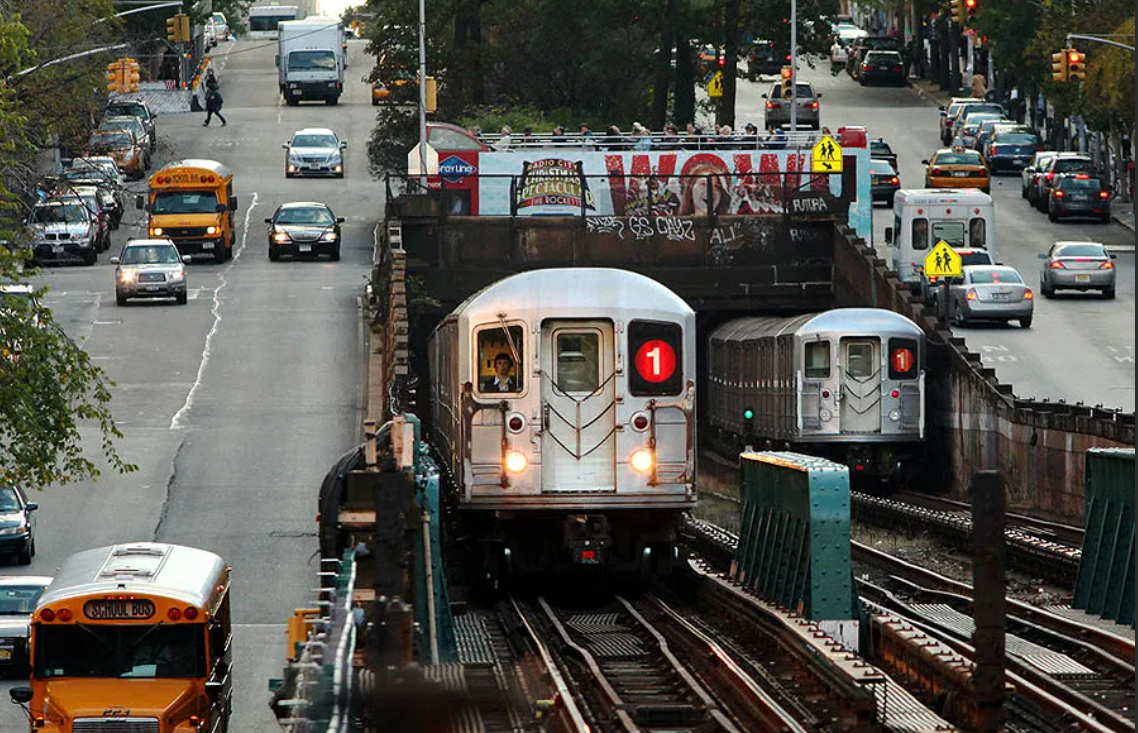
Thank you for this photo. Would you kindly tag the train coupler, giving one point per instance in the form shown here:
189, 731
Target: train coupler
587, 537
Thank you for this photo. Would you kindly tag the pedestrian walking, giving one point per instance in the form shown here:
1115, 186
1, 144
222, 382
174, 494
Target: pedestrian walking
210, 80
213, 102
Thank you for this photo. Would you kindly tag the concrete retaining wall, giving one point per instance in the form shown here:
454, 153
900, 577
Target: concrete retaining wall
976, 422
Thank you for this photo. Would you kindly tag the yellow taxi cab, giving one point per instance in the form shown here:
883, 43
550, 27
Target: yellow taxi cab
957, 167
379, 92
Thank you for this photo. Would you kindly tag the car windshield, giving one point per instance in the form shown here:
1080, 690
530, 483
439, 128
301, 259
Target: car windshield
311, 215
88, 200
1092, 184
111, 141
19, 600
134, 651
975, 258
804, 90
1071, 165
314, 141
883, 56
987, 125
129, 123
879, 148
880, 167
185, 202
975, 109
59, 213
312, 61
9, 500
958, 159
1016, 138
150, 254
126, 110
995, 277
1080, 250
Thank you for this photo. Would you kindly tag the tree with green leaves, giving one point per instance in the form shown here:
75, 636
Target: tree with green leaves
49, 388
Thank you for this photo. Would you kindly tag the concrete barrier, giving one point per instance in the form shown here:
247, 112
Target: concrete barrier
975, 421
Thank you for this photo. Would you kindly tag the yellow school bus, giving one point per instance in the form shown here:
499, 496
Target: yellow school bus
191, 203
135, 638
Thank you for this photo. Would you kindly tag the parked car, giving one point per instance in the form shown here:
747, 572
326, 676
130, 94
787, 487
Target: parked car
18, 597
123, 147
778, 109
1029, 178
883, 66
304, 228
63, 231
864, 45
948, 116
763, 59
100, 209
931, 285
314, 151
102, 172
17, 524
984, 132
1079, 194
122, 107
220, 26
991, 293
150, 268
880, 149
970, 130
1077, 266
967, 109
134, 124
883, 181
844, 38
957, 168
1061, 163
1011, 148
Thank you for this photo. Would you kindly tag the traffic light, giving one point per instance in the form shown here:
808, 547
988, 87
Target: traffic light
1059, 66
787, 75
114, 77
131, 76
1076, 65
173, 29
957, 11
970, 7
184, 28
432, 95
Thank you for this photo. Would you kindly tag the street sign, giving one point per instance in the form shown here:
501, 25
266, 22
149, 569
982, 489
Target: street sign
943, 261
827, 156
715, 86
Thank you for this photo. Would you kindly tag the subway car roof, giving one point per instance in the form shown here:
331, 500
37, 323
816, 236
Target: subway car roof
837, 321
572, 291
185, 573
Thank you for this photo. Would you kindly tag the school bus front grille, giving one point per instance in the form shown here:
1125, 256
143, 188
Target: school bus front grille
115, 725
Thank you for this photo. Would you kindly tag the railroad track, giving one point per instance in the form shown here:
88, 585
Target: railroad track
1063, 534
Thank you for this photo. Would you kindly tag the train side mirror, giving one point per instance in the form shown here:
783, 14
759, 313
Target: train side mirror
889, 235
21, 695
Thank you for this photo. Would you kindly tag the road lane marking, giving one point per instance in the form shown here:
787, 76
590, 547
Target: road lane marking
178, 420
1120, 354
996, 353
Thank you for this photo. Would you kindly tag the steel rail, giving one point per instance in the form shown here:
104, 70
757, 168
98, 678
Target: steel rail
564, 699
1067, 533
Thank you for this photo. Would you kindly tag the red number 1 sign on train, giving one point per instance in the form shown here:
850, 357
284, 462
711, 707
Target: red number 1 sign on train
655, 361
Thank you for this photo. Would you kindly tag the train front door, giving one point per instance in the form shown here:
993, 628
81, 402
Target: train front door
861, 385
578, 397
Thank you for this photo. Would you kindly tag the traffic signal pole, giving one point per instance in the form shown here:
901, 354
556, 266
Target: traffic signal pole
794, 66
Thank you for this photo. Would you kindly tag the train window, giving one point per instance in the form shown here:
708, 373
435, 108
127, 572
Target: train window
500, 359
920, 233
859, 360
977, 233
578, 361
950, 231
817, 358
903, 359
657, 351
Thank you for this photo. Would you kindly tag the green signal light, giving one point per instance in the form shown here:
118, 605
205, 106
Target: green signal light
748, 414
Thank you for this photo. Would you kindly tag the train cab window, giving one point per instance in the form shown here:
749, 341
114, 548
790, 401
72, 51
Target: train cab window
950, 231
977, 233
817, 358
859, 360
903, 359
500, 360
578, 361
920, 233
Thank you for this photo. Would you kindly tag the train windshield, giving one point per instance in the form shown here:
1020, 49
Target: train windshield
500, 359
817, 357
578, 362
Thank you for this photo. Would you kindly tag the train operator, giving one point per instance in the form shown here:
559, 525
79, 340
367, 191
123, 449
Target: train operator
502, 381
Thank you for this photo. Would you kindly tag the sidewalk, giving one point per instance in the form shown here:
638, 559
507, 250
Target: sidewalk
1123, 214
930, 91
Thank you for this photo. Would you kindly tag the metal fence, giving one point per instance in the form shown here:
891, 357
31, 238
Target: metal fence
315, 695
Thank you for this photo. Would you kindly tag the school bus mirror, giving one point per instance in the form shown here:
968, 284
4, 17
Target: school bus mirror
213, 689
21, 695
221, 208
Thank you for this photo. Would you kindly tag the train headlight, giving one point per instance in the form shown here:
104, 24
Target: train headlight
826, 415
894, 415
516, 462
639, 422
642, 461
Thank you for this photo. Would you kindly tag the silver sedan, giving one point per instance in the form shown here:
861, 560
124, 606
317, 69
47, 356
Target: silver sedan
1077, 266
150, 268
991, 293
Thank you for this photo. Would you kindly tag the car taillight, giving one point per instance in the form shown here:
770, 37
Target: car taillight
1059, 194
770, 105
1106, 266
972, 294
865, 67
1104, 194
1027, 294
1056, 265
935, 172
813, 105
1049, 176
894, 179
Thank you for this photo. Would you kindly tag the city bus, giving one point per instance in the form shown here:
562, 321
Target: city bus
133, 637
263, 20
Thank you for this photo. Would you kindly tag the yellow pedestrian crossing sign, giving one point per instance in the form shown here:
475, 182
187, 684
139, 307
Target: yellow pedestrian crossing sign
715, 86
943, 261
827, 156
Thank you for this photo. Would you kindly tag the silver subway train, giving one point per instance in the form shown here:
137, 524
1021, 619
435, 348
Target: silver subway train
847, 384
562, 404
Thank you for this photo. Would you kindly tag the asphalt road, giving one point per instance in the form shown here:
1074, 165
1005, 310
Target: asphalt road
235, 405
1080, 348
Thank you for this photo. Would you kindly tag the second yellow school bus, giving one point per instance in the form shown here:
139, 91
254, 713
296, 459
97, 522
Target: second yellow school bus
133, 637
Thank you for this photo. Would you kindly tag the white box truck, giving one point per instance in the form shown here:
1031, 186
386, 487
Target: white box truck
343, 33
310, 61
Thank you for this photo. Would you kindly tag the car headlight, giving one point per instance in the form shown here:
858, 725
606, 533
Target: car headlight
17, 529
127, 276
281, 237
329, 237
211, 230
178, 275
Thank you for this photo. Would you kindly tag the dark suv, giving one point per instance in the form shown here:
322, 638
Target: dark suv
1079, 194
764, 60
1055, 167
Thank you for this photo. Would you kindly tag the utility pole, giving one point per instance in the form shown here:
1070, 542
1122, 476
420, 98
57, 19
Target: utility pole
794, 66
423, 94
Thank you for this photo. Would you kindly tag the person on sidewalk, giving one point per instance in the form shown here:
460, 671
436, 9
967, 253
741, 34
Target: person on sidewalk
213, 102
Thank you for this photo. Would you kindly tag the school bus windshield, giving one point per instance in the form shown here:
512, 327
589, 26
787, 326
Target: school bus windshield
185, 202
120, 651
